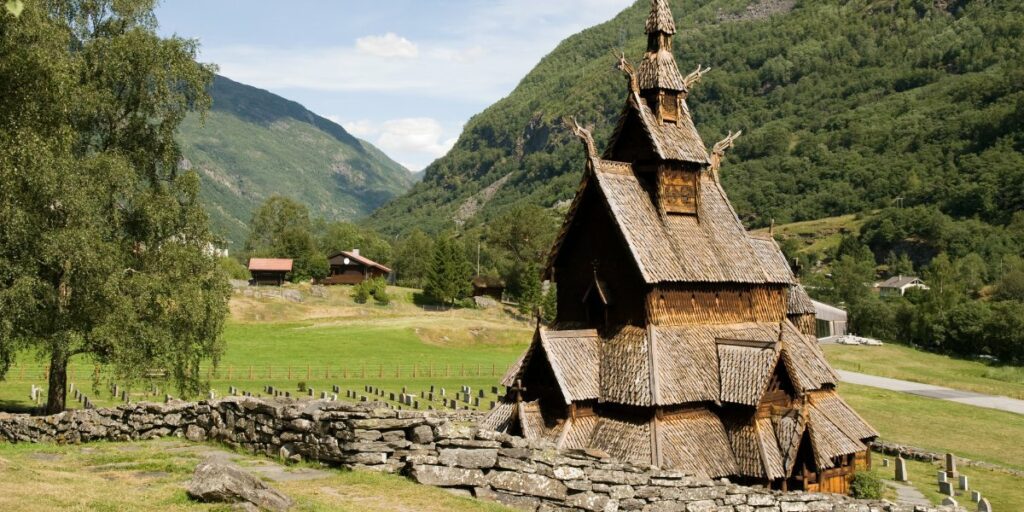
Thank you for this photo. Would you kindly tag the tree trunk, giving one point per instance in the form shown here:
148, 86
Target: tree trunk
58, 391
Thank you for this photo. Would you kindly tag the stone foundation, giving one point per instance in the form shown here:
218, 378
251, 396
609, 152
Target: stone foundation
441, 449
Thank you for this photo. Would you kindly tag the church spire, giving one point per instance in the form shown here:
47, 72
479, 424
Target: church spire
658, 70
661, 84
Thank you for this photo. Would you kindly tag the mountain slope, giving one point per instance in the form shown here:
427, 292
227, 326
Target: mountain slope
254, 144
844, 105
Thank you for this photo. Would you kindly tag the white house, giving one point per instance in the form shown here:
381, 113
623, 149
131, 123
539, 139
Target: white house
898, 285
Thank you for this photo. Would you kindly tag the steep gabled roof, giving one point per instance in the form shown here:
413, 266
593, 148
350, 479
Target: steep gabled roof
658, 70
696, 441
798, 302
710, 247
670, 141
805, 362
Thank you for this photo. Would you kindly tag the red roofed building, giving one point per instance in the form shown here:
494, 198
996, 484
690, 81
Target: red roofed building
349, 267
269, 271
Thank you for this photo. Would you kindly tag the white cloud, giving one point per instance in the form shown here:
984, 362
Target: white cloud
388, 45
362, 128
417, 134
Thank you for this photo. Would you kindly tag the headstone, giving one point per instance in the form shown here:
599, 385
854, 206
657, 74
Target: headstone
941, 477
962, 483
976, 496
901, 469
984, 505
311, 391
416, 404
491, 406
951, 465
404, 390
885, 463
481, 394
287, 394
442, 392
334, 397
476, 402
335, 388
494, 390
323, 395
946, 488
430, 396
948, 501
430, 407
391, 397
362, 398
431, 388
167, 398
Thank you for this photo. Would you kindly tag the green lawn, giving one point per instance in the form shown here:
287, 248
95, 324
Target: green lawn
1004, 491
901, 362
941, 426
152, 475
819, 235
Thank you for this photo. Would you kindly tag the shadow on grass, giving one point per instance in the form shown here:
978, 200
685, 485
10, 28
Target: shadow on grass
16, 407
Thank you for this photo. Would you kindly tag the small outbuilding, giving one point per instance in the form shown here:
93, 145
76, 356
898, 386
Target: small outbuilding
269, 271
898, 285
488, 286
349, 267
829, 320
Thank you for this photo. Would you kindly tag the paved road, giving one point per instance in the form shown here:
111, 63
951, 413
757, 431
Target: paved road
1001, 403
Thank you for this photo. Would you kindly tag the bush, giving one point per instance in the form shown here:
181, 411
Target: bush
866, 485
302, 386
376, 288
234, 268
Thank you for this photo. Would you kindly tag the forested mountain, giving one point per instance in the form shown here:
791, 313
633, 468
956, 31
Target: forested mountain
255, 144
845, 105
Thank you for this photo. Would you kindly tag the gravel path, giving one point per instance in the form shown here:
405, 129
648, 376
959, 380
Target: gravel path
1002, 403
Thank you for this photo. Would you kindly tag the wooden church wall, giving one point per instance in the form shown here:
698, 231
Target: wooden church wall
715, 303
594, 242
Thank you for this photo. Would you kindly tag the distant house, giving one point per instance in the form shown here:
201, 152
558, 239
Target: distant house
828, 320
489, 286
898, 285
269, 271
348, 267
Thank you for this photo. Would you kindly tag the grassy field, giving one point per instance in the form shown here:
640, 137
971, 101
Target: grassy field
900, 362
326, 341
819, 235
1004, 491
153, 475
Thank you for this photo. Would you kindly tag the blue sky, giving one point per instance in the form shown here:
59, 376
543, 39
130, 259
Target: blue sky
403, 74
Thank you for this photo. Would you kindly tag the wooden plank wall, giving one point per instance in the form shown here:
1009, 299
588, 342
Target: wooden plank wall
715, 304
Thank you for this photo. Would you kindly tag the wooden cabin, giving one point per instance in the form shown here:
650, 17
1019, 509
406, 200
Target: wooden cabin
349, 267
675, 343
269, 271
488, 286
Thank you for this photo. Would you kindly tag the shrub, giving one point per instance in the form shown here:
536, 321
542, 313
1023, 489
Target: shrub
866, 485
302, 385
361, 292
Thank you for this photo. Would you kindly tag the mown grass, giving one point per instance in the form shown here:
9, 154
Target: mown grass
152, 475
1003, 490
906, 363
941, 426
820, 235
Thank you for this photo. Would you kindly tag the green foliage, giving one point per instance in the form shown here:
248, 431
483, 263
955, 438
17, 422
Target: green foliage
549, 305
844, 105
866, 485
448, 277
414, 254
376, 288
103, 246
345, 236
14, 7
281, 228
254, 144
233, 268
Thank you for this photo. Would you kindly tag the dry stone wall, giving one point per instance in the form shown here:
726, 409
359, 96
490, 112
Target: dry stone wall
441, 449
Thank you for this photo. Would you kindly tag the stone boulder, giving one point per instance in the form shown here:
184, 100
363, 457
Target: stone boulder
216, 481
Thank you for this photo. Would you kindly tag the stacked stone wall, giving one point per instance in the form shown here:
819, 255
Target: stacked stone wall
441, 449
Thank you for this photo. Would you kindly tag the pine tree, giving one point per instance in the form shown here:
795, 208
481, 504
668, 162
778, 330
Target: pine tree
448, 279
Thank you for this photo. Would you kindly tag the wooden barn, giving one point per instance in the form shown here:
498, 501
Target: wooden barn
680, 339
269, 271
349, 267
488, 286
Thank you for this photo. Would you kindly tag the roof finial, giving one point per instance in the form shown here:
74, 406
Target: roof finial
719, 150
584, 135
630, 71
695, 77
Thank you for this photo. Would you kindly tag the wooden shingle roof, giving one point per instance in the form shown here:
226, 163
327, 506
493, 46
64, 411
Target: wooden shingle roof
744, 370
710, 247
805, 362
575, 358
798, 302
625, 368
660, 19
696, 441
625, 440
658, 70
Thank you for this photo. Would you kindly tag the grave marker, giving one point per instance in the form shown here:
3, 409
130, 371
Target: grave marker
962, 483
941, 477
984, 505
976, 496
946, 488
901, 469
948, 501
951, 465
